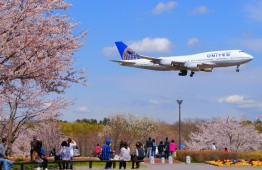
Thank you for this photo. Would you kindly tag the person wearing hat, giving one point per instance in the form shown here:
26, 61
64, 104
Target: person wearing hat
7, 163
106, 150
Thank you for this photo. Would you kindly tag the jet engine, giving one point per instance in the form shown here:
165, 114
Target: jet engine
165, 62
192, 66
207, 69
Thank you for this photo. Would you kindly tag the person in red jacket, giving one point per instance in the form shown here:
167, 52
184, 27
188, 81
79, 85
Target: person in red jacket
98, 150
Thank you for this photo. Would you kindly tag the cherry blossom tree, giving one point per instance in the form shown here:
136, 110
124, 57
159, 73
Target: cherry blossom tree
36, 60
128, 127
49, 132
225, 132
37, 44
26, 105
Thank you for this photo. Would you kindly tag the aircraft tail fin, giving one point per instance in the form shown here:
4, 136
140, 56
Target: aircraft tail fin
126, 52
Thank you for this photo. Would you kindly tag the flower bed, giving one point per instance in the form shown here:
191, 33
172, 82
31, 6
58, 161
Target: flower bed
236, 162
207, 155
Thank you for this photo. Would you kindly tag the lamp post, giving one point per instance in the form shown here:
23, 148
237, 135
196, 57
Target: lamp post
179, 102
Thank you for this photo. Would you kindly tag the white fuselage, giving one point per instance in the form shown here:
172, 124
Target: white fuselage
196, 62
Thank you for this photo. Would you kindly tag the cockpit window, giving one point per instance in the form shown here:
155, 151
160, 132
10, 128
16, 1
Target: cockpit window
241, 51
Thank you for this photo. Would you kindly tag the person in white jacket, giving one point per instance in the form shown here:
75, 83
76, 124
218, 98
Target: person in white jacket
71, 145
124, 155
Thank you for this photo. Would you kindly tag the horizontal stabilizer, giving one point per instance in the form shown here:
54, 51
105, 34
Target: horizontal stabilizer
123, 62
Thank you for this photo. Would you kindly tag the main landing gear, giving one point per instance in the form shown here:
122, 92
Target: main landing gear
184, 73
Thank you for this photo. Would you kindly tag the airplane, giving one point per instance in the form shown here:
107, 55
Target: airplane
205, 61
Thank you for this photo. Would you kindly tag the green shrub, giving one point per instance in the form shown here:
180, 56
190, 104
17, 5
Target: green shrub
208, 155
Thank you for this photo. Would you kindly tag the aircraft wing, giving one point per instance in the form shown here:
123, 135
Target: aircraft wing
152, 59
158, 60
123, 62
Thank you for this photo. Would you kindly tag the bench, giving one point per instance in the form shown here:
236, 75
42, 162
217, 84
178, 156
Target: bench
22, 163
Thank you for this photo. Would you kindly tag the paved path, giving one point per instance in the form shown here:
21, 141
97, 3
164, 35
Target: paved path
180, 166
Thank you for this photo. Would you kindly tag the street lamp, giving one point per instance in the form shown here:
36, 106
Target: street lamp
179, 102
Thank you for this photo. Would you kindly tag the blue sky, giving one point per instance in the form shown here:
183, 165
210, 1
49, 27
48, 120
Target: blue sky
175, 28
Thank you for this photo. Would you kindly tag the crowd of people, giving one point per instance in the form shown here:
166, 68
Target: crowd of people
125, 154
164, 149
69, 149
66, 152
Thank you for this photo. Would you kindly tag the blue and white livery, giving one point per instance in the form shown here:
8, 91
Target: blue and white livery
205, 61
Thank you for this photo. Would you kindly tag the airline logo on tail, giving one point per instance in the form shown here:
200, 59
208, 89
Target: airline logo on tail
126, 52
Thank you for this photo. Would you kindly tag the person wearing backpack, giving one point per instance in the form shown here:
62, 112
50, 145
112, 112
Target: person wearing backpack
140, 155
64, 154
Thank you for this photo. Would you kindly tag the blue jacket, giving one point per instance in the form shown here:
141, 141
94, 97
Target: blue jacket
106, 149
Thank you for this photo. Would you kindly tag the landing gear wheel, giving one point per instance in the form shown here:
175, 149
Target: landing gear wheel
192, 73
237, 70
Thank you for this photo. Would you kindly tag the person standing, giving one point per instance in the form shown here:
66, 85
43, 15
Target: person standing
106, 150
161, 147
167, 148
124, 155
154, 148
149, 146
213, 147
172, 148
71, 145
65, 154
3, 157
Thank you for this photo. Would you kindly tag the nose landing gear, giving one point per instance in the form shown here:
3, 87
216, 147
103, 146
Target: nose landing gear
237, 70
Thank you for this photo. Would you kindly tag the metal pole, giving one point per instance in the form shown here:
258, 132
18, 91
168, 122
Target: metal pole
179, 102
179, 128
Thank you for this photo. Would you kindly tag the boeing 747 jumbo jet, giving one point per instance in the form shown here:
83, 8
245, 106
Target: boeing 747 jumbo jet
205, 61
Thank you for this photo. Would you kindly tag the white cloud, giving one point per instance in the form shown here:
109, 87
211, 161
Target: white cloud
192, 42
110, 51
153, 101
200, 10
249, 43
241, 101
235, 99
146, 45
82, 109
254, 10
159, 45
159, 101
164, 7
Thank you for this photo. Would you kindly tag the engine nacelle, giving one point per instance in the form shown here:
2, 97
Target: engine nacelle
192, 66
207, 69
165, 62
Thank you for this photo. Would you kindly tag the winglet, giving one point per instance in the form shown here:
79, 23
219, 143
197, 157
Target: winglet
126, 52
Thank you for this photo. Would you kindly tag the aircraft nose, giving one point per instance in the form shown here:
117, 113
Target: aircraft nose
249, 57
